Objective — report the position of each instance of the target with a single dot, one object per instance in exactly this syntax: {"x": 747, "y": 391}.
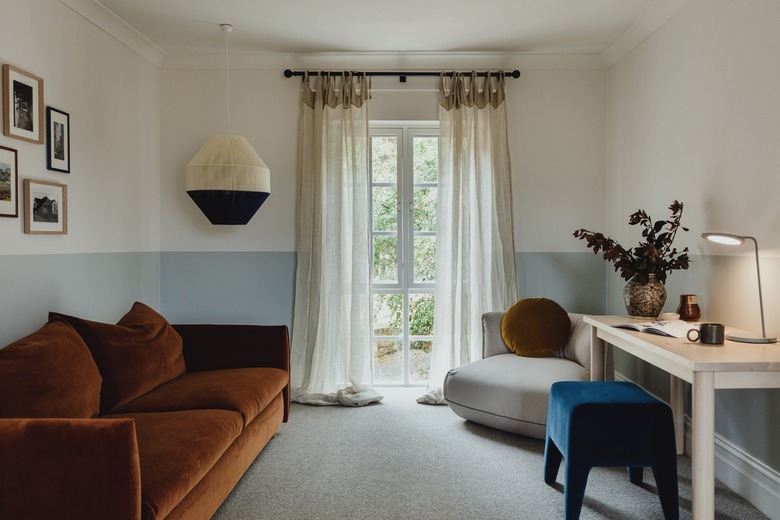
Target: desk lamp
{"x": 736, "y": 240}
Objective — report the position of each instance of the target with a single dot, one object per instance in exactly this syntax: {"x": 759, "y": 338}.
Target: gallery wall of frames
{"x": 43, "y": 203}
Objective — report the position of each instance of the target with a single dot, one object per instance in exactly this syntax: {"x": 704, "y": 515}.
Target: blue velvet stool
{"x": 608, "y": 423}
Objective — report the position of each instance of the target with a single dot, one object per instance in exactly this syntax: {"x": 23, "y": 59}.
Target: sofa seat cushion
{"x": 244, "y": 390}
{"x": 139, "y": 353}
{"x": 508, "y": 392}
{"x": 49, "y": 373}
{"x": 176, "y": 450}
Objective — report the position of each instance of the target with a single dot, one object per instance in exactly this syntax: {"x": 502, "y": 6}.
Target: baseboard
{"x": 744, "y": 474}
{"x": 741, "y": 472}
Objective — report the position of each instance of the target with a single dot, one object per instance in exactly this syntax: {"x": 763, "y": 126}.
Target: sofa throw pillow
{"x": 139, "y": 353}
{"x": 535, "y": 327}
{"x": 49, "y": 373}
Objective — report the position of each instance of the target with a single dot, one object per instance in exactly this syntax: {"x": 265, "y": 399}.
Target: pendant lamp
{"x": 227, "y": 179}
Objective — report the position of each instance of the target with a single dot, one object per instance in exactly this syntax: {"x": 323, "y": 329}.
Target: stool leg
{"x": 635, "y": 474}
{"x": 665, "y": 473}
{"x": 574, "y": 489}
{"x": 552, "y": 461}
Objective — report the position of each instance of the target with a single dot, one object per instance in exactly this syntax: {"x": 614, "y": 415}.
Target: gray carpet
{"x": 402, "y": 460}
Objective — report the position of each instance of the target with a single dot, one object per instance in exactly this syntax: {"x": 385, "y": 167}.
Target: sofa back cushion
{"x": 139, "y": 353}
{"x": 49, "y": 373}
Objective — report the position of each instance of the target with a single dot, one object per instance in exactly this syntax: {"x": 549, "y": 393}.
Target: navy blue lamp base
{"x": 228, "y": 207}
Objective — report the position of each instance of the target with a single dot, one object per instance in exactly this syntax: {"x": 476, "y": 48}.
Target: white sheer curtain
{"x": 475, "y": 254}
{"x": 330, "y": 355}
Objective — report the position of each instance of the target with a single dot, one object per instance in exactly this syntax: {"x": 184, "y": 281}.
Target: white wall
{"x": 693, "y": 116}
{"x": 112, "y": 95}
{"x": 557, "y": 132}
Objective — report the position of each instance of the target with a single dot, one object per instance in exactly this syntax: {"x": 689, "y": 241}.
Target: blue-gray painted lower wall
{"x": 258, "y": 287}
{"x": 232, "y": 287}
{"x": 98, "y": 286}
{"x": 577, "y": 281}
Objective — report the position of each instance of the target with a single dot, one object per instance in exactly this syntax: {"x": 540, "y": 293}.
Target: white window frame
{"x": 405, "y": 133}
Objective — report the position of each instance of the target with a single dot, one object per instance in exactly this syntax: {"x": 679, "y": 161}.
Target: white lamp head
{"x": 724, "y": 238}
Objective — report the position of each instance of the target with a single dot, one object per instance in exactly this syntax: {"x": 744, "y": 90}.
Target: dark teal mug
{"x": 709, "y": 333}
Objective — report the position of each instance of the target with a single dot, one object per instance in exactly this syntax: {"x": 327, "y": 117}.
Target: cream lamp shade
{"x": 228, "y": 180}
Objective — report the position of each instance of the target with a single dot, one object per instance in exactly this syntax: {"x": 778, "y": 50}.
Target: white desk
{"x": 707, "y": 368}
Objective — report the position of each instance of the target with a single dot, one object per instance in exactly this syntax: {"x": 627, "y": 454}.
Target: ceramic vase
{"x": 644, "y": 300}
{"x": 689, "y": 308}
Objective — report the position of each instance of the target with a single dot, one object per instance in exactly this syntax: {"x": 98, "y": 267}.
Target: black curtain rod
{"x": 401, "y": 75}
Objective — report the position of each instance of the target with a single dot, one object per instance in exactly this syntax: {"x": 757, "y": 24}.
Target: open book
{"x": 671, "y": 328}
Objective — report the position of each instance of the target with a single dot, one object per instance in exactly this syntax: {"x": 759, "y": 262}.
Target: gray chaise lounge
{"x": 510, "y": 392}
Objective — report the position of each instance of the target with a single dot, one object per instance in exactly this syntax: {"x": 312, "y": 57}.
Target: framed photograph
{"x": 22, "y": 104}
{"x": 57, "y": 140}
{"x": 9, "y": 183}
{"x": 46, "y": 207}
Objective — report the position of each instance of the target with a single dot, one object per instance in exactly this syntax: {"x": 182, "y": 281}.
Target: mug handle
{"x": 698, "y": 335}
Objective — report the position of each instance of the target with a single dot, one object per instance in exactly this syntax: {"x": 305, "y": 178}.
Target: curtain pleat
{"x": 475, "y": 254}
{"x": 330, "y": 358}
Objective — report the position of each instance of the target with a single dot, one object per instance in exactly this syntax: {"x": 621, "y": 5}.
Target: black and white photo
{"x": 46, "y": 207}
{"x": 22, "y": 104}
{"x": 57, "y": 140}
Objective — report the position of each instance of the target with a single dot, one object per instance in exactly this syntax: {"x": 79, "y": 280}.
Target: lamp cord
{"x": 227, "y": 77}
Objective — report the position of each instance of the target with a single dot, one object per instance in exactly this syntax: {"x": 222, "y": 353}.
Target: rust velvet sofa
{"x": 135, "y": 420}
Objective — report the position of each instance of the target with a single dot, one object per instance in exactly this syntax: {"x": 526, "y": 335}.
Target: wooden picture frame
{"x": 22, "y": 105}
{"x": 46, "y": 207}
{"x": 57, "y": 140}
{"x": 9, "y": 183}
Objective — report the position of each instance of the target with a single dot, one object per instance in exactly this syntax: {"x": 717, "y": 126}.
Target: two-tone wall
{"x": 690, "y": 114}
{"x": 110, "y": 256}
{"x": 693, "y": 115}
{"x": 558, "y": 141}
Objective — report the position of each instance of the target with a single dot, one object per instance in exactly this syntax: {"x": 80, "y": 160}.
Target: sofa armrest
{"x": 69, "y": 468}
{"x": 214, "y": 347}
{"x": 492, "y": 340}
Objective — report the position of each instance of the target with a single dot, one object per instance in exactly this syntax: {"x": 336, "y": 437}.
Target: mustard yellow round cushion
{"x": 535, "y": 327}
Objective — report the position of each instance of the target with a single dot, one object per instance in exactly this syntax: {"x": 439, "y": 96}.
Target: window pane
{"x": 388, "y": 314}
{"x": 384, "y": 159}
{"x": 388, "y": 361}
{"x": 385, "y": 259}
{"x": 420, "y": 362}
{"x": 426, "y": 159}
{"x": 385, "y": 203}
{"x": 425, "y": 209}
{"x": 421, "y": 314}
{"x": 424, "y": 259}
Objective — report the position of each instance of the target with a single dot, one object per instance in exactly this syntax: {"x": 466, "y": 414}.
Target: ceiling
{"x": 571, "y": 27}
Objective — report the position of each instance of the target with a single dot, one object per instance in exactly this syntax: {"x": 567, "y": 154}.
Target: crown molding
{"x": 384, "y": 61}
{"x": 659, "y": 12}
{"x": 96, "y": 13}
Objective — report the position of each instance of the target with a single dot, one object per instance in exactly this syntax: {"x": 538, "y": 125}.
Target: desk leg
{"x": 677, "y": 403}
{"x": 597, "y": 356}
{"x": 703, "y": 449}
